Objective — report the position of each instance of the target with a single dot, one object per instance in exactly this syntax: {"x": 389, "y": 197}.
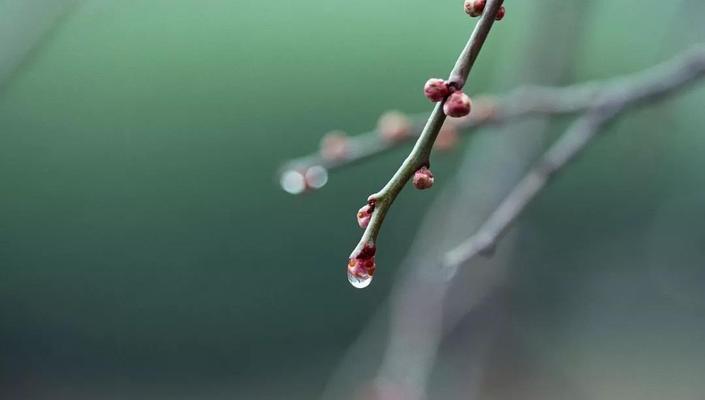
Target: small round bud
{"x": 334, "y": 146}
{"x": 458, "y": 105}
{"x": 364, "y": 215}
{"x": 500, "y": 14}
{"x": 436, "y": 90}
{"x": 447, "y": 138}
{"x": 474, "y": 8}
{"x": 423, "y": 179}
{"x": 394, "y": 126}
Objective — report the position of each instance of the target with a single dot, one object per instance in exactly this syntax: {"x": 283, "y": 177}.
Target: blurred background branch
{"x": 26, "y": 26}
{"x": 608, "y": 103}
{"x": 520, "y": 103}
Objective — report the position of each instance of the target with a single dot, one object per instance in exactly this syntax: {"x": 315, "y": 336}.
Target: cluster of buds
{"x": 361, "y": 268}
{"x": 457, "y": 104}
{"x": 474, "y": 8}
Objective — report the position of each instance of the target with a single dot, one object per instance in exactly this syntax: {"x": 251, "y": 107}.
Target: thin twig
{"x": 520, "y": 103}
{"x": 419, "y": 155}
{"x": 52, "y": 18}
{"x": 650, "y": 86}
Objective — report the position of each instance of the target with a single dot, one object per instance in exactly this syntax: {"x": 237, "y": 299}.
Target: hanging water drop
{"x": 361, "y": 271}
{"x": 359, "y": 282}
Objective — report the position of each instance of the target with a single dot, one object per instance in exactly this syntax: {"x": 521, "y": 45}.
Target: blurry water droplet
{"x": 361, "y": 270}
{"x": 316, "y": 177}
{"x": 359, "y": 281}
{"x": 293, "y": 182}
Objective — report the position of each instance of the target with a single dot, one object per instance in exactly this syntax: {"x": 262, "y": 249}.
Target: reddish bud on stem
{"x": 436, "y": 89}
{"x": 458, "y": 105}
{"x": 423, "y": 179}
{"x": 500, "y": 14}
{"x": 474, "y": 8}
{"x": 364, "y": 215}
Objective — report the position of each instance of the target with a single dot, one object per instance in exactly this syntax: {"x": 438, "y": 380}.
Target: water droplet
{"x": 293, "y": 182}
{"x": 316, "y": 177}
{"x": 361, "y": 271}
{"x": 359, "y": 281}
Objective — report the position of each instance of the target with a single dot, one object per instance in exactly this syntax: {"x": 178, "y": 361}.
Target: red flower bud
{"x": 423, "y": 179}
{"x": 364, "y": 215}
{"x": 458, "y": 105}
{"x": 436, "y": 89}
{"x": 394, "y": 126}
{"x": 500, "y": 14}
{"x": 474, "y": 8}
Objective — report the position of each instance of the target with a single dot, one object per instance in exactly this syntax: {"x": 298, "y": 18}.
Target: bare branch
{"x": 419, "y": 155}
{"x": 650, "y": 86}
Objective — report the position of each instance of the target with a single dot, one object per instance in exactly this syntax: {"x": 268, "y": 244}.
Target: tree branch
{"x": 650, "y": 86}
{"x": 419, "y": 155}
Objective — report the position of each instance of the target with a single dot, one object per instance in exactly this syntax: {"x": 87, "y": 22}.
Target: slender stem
{"x": 419, "y": 155}
{"x": 467, "y": 58}
{"x": 652, "y": 85}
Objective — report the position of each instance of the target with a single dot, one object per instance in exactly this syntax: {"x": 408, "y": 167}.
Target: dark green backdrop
{"x": 146, "y": 250}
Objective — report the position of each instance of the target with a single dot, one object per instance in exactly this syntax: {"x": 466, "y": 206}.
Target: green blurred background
{"x": 146, "y": 250}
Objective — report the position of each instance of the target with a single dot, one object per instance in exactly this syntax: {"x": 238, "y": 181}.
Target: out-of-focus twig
{"x": 29, "y": 26}
{"x": 520, "y": 103}
{"x": 487, "y": 110}
{"x": 612, "y": 101}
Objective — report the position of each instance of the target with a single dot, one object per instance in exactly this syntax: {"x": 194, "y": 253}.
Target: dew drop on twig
{"x": 359, "y": 281}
